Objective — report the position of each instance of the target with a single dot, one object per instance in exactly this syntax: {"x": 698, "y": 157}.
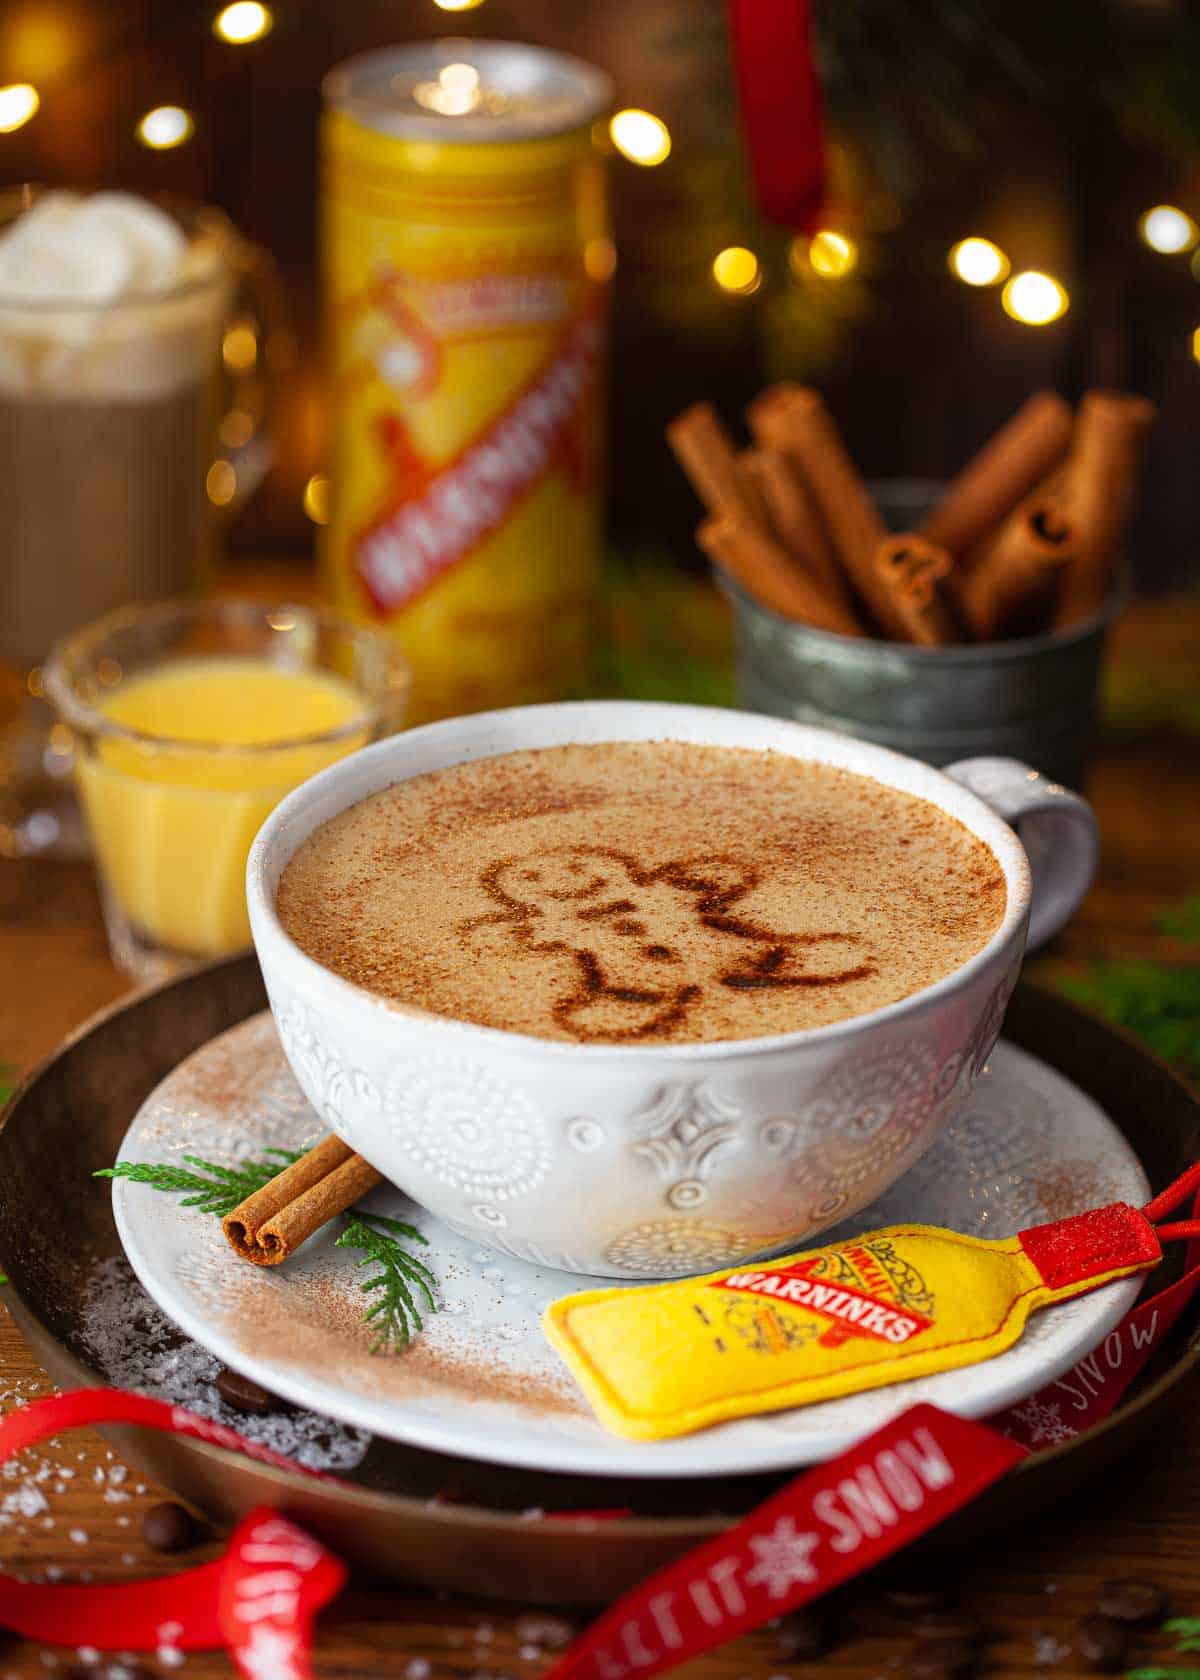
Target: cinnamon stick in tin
{"x": 794, "y": 516}
{"x": 272, "y": 1223}
{"x": 914, "y": 571}
{"x": 1012, "y": 463}
{"x": 705, "y": 451}
{"x": 795, "y": 420}
{"x": 751, "y": 556}
{"x": 1101, "y": 473}
{"x": 1016, "y": 571}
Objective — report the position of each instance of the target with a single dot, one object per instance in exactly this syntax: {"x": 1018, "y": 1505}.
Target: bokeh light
{"x": 1035, "y": 299}
{"x": 239, "y": 347}
{"x": 736, "y": 269}
{"x": 458, "y": 5}
{"x": 221, "y": 483}
{"x": 165, "y": 126}
{"x": 1168, "y": 230}
{"x": 244, "y": 21}
{"x": 977, "y": 262}
{"x": 18, "y": 102}
{"x": 640, "y": 136}
{"x": 454, "y": 94}
{"x": 316, "y": 498}
{"x": 832, "y": 255}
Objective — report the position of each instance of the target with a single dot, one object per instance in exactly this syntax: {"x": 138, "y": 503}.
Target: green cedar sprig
{"x": 395, "y": 1315}
{"x": 215, "y": 1189}
{"x": 399, "y": 1277}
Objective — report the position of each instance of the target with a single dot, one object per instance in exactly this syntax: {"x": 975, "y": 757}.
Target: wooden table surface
{"x": 1029, "y": 1589}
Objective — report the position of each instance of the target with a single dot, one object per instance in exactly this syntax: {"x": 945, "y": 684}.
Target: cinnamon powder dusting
{"x": 642, "y": 891}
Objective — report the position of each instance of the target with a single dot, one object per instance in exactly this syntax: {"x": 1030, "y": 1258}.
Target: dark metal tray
{"x": 74, "y": 1110}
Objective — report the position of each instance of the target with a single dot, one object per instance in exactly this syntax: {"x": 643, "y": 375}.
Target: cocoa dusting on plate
{"x": 1064, "y": 1187}
{"x": 323, "y": 1325}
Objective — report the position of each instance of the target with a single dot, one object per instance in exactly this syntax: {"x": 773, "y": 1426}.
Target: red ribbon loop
{"x": 780, "y": 99}
{"x": 259, "y": 1599}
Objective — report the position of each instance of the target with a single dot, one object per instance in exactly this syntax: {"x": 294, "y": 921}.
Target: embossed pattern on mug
{"x": 632, "y": 892}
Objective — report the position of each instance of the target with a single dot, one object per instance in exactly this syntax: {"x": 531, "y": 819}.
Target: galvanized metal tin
{"x": 1032, "y": 699}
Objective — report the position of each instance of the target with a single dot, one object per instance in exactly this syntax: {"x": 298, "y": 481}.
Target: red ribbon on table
{"x": 830, "y": 1523}
{"x": 258, "y": 1600}
{"x": 780, "y": 100}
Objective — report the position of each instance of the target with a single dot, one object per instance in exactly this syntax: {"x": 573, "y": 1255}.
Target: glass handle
{"x": 256, "y": 343}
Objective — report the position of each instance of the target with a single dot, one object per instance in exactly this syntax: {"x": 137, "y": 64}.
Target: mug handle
{"x": 1056, "y": 827}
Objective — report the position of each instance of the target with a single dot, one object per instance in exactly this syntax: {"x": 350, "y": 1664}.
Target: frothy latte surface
{"x": 633, "y": 892}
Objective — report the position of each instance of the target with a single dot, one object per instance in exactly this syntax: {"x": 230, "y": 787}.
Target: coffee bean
{"x": 805, "y": 1634}
{"x": 246, "y": 1396}
{"x": 1135, "y": 1603}
{"x": 948, "y": 1624}
{"x": 1103, "y": 1645}
{"x": 169, "y": 1527}
{"x": 940, "y": 1659}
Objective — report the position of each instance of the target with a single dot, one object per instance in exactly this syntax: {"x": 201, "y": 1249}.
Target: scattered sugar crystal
{"x": 27, "y": 1501}
{"x": 79, "y": 1536}
{"x": 418, "y": 1669}
{"x": 118, "y": 1473}
{"x": 484, "y": 1633}
{"x": 128, "y": 1557}
{"x": 529, "y": 1653}
{"x": 1047, "y": 1650}
{"x": 54, "y": 1572}
{"x": 552, "y": 1631}
{"x": 88, "y": 1654}
{"x": 136, "y": 1346}
{"x": 170, "y": 1656}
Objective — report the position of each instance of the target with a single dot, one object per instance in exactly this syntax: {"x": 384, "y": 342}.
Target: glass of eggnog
{"x": 191, "y": 720}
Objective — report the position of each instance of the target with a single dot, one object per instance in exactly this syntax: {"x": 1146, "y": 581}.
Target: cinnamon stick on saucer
{"x": 794, "y": 516}
{"x": 1015, "y": 571}
{"x": 914, "y": 570}
{"x": 794, "y": 419}
{"x": 272, "y": 1223}
{"x": 705, "y": 451}
{"x": 1101, "y": 473}
{"x": 1012, "y": 463}
{"x": 751, "y": 556}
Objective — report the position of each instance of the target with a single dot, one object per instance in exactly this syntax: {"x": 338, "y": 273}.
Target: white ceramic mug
{"x": 658, "y": 1160}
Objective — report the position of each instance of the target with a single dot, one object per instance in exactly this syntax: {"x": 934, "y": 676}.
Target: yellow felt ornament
{"x": 898, "y": 1303}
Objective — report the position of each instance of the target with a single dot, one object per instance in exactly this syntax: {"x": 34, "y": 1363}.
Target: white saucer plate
{"x": 481, "y": 1381}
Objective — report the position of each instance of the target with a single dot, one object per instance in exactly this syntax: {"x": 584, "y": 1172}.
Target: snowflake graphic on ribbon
{"x": 783, "y": 1558}
{"x": 1044, "y": 1422}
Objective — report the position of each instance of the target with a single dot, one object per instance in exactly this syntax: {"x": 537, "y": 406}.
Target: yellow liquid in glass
{"x": 171, "y": 827}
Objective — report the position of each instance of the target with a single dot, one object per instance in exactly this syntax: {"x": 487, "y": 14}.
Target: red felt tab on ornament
{"x": 1104, "y": 1239}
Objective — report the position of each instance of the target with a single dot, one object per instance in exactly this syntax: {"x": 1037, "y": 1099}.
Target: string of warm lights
{"x": 1030, "y": 297}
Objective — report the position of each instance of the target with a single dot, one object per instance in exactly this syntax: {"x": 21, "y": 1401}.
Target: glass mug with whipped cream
{"x": 125, "y": 327}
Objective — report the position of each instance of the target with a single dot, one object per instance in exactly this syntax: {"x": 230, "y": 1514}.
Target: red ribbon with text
{"x": 829, "y": 1524}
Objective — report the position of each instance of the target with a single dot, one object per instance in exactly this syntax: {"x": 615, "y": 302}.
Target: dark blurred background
{"x": 1049, "y": 128}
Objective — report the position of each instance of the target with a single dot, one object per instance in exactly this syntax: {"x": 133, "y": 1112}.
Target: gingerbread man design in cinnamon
{"x": 607, "y": 916}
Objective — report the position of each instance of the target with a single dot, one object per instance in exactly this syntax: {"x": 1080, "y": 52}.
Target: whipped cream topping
{"x": 97, "y": 298}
